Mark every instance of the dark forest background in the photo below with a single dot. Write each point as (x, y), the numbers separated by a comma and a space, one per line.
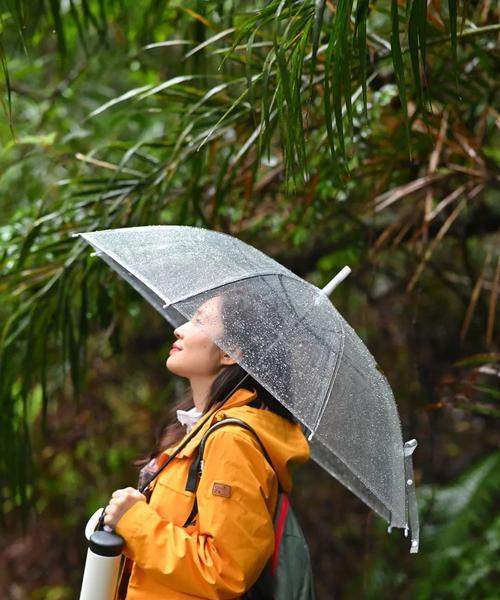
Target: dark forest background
(324, 133)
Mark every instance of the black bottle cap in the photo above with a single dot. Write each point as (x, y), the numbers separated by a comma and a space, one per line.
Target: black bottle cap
(105, 543)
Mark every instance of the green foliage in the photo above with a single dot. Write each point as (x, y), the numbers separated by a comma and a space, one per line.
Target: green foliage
(463, 535)
(159, 140)
(460, 540)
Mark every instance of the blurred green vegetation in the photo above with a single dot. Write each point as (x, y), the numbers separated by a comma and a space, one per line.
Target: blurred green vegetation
(262, 132)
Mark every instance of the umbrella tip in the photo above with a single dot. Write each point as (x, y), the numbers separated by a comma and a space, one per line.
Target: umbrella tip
(339, 278)
(409, 447)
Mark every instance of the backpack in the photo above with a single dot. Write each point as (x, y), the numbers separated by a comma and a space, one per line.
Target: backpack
(288, 574)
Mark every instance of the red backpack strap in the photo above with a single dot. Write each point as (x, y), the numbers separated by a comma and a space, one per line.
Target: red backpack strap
(279, 528)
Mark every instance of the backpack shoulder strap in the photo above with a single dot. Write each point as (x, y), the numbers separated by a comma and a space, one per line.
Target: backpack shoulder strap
(197, 466)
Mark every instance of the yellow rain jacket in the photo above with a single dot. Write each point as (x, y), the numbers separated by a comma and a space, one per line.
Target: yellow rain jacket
(223, 553)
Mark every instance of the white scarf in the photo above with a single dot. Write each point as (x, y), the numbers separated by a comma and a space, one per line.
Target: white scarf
(189, 418)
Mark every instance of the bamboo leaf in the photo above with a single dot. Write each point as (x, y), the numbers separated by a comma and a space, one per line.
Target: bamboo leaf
(298, 57)
(5, 71)
(28, 241)
(488, 390)
(417, 26)
(360, 35)
(327, 98)
(79, 27)
(214, 128)
(265, 103)
(168, 84)
(168, 44)
(452, 11)
(397, 61)
(104, 20)
(422, 34)
(213, 92)
(478, 360)
(55, 8)
(16, 10)
(248, 71)
(284, 91)
(124, 97)
(319, 11)
(211, 40)
(339, 60)
(89, 15)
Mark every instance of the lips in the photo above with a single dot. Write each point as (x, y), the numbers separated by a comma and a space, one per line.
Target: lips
(174, 349)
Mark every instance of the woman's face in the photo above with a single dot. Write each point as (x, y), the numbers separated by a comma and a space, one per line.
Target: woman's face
(194, 354)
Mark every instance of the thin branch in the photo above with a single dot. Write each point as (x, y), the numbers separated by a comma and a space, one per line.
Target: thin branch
(106, 165)
(428, 253)
(474, 298)
(493, 304)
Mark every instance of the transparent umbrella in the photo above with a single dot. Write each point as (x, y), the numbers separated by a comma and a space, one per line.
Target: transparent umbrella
(287, 334)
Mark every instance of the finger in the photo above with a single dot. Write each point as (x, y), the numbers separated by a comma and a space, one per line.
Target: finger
(119, 500)
(132, 493)
(128, 491)
(110, 516)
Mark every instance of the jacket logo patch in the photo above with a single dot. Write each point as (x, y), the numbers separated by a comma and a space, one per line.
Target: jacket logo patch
(221, 489)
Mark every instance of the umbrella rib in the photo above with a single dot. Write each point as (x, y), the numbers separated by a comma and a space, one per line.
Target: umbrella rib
(232, 280)
(331, 384)
(301, 319)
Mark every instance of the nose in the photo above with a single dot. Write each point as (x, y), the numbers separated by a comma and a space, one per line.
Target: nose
(179, 331)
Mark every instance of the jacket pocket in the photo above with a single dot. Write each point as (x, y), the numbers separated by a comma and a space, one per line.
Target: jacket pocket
(172, 504)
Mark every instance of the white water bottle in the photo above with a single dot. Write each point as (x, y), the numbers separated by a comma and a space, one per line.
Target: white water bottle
(102, 566)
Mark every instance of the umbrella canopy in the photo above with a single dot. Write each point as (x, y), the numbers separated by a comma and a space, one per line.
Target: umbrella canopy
(287, 334)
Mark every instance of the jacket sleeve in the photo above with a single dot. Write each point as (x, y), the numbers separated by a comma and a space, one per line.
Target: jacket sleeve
(235, 536)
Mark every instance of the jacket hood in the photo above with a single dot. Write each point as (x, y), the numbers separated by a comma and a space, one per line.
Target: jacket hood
(284, 441)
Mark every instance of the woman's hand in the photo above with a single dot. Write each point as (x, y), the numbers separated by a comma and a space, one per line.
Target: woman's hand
(120, 502)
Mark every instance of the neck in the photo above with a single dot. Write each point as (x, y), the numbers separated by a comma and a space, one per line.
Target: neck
(200, 388)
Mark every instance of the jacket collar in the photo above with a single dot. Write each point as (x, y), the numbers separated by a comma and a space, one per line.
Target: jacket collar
(240, 398)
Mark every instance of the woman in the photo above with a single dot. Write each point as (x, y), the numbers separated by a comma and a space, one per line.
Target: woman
(224, 549)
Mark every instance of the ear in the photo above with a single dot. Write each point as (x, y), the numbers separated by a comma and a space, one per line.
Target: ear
(226, 360)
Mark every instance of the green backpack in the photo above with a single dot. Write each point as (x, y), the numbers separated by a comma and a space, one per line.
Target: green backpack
(288, 574)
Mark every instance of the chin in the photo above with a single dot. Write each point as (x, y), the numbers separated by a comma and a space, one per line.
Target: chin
(168, 364)
(173, 368)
